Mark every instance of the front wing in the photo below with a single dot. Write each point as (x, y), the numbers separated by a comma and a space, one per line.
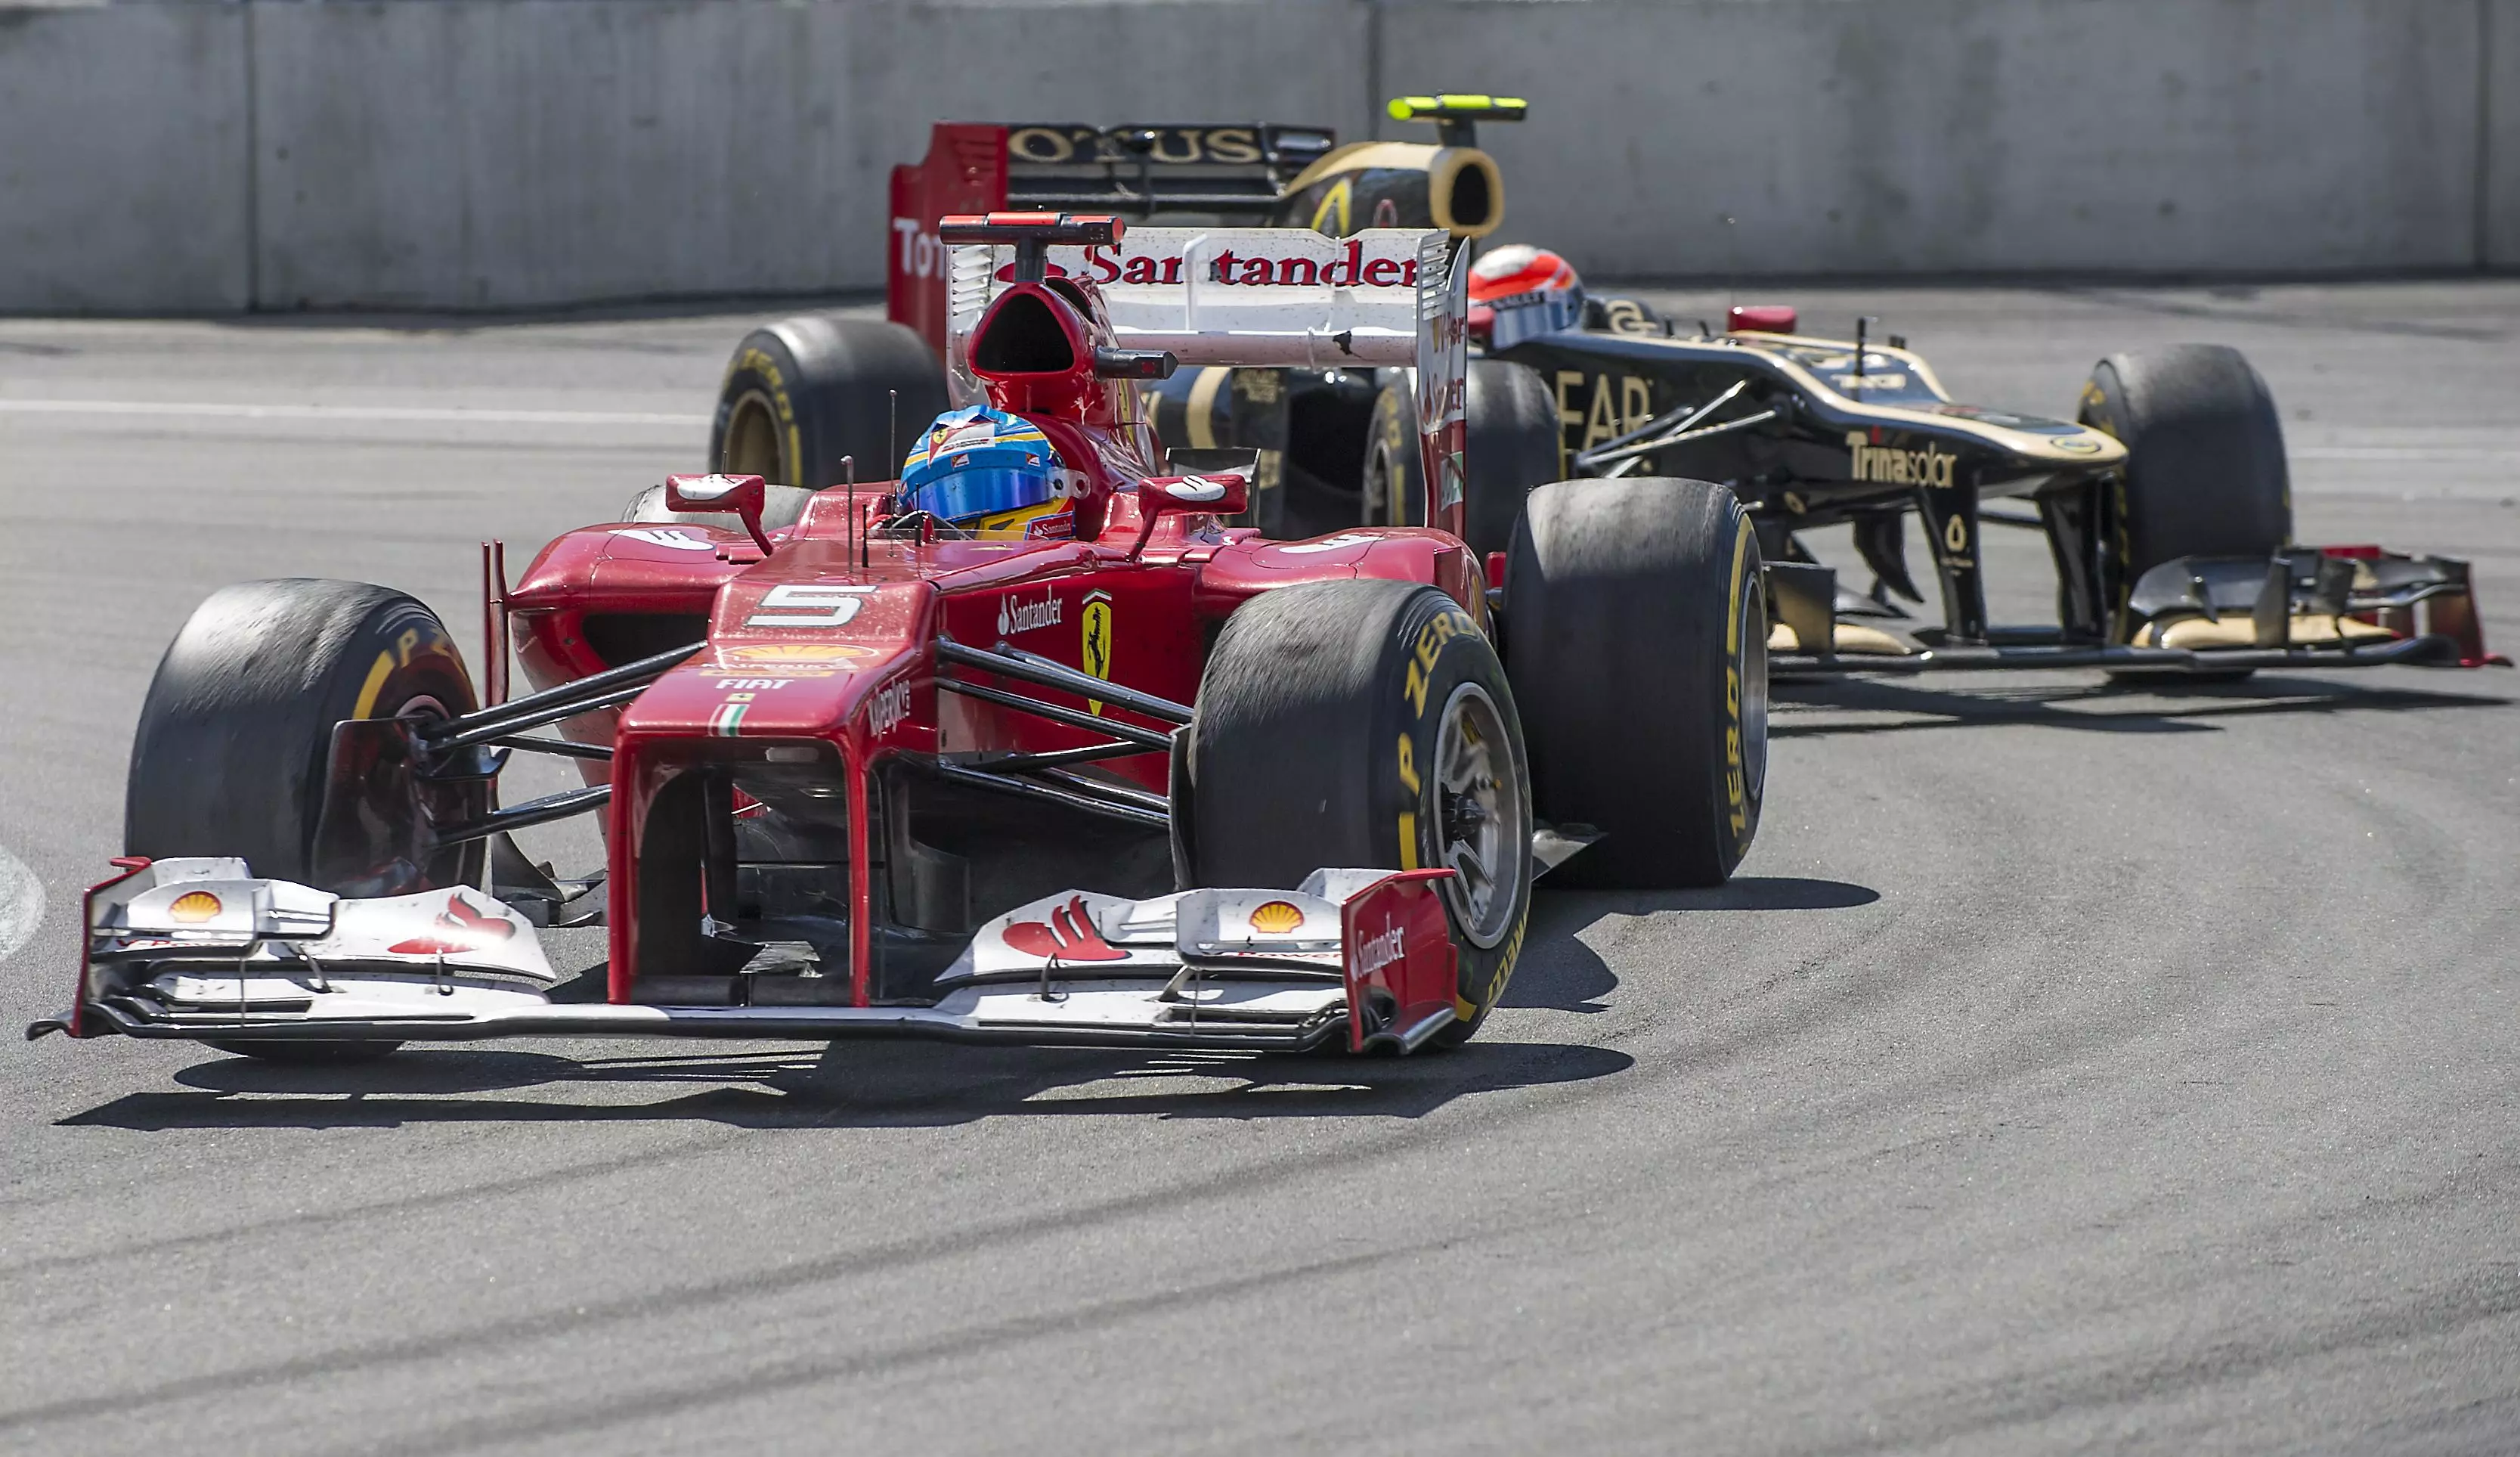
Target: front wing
(2306, 607)
(204, 949)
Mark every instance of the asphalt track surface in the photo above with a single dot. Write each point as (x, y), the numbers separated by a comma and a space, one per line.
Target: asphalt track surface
(2071, 1069)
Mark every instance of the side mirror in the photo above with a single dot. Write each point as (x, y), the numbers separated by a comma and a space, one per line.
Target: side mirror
(1760, 318)
(1224, 493)
(740, 496)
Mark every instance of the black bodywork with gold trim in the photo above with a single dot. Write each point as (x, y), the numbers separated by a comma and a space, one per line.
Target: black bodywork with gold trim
(1809, 434)
(1815, 432)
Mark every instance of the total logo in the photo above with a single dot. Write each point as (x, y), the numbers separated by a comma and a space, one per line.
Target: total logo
(1378, 951)
(887, 707)
(1015, 617)
(920, 254)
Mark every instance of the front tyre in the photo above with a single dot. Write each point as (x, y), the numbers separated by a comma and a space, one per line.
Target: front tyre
(1367, 724)
(1637, 631)
(2205, 473)
(236, 736)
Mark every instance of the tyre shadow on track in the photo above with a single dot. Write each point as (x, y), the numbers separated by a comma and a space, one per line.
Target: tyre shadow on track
(1559, 973)
(2087, 707)
(863, 1084)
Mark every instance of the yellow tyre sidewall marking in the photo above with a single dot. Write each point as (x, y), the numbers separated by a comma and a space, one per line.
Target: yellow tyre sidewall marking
(1426, 652)
(1737, 788)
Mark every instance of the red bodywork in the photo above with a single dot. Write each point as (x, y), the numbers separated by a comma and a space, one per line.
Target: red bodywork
(825, 648)
(965, 171)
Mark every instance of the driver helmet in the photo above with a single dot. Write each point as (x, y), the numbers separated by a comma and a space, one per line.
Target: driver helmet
(1523, 291)
(991, 473)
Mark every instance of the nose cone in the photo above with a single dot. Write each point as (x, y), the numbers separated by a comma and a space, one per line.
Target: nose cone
(787, 691)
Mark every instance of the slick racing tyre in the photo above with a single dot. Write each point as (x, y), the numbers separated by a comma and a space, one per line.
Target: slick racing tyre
(2205, 473)
(1369, 724)
(781, 506)
(1509, 445)
(1636, 634)
(236, 733)
(803, 392)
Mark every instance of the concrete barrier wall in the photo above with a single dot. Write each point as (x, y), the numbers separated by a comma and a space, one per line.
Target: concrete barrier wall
(124, 159)
(1958, 136)
(489, 154)
(504, 152)
(2499, 168)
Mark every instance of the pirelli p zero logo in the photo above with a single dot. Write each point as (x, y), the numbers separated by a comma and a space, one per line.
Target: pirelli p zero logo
(1889, 464)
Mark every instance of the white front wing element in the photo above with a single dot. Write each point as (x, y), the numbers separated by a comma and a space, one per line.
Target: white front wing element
(1257, 969)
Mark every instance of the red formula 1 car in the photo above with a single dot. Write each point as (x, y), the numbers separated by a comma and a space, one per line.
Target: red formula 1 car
(1141, 780)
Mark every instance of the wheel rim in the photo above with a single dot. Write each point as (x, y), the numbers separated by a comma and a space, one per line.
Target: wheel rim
(1479, 818)
(752, 440)
(1750, 661)
(445, 867)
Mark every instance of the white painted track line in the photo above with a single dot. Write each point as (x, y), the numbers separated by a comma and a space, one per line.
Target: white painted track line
(448, 414)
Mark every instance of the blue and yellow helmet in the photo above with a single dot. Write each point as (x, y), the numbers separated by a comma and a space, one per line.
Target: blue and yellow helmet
(990, 473)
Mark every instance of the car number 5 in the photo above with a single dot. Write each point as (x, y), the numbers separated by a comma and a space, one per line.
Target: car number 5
(809, 606)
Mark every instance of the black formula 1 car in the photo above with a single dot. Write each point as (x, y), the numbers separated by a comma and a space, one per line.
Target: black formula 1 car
(2165, 503)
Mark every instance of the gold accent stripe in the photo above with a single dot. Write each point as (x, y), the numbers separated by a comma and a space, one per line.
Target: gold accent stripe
(1202, 410)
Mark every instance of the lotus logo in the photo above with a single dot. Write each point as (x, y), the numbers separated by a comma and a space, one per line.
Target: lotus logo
(1276, 917)
(1026, 616)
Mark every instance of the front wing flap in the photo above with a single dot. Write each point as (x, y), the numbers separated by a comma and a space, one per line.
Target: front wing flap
(204, 949)
(2306, 607)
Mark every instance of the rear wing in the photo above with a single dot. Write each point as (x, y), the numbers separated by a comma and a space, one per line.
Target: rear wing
(1269, 296)
(1233, 175)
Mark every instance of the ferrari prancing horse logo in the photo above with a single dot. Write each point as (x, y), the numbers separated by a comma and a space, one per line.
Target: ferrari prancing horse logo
(1097, 658)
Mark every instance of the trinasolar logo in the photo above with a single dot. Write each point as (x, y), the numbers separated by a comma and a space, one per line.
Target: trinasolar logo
(1889, 464)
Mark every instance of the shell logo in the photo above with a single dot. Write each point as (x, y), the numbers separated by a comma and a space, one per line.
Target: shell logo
(1276, 917)
(795, 653)
(193, 908)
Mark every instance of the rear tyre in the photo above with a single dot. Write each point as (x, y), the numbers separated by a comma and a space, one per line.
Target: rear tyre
(1637, 632)
(236, 733)
(803, 392)
(1509, 445)
(2205, 473)
(1367, 724)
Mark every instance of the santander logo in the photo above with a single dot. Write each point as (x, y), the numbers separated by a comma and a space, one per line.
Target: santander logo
(1015, 617)
(1380, 950)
